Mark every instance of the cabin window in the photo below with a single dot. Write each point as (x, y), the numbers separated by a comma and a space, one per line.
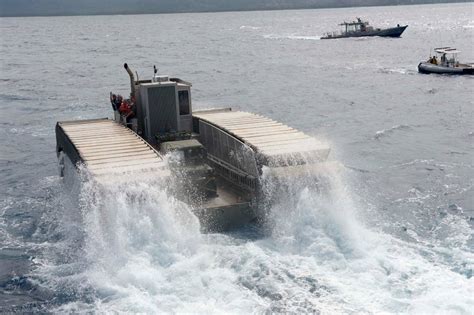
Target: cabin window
(183, 97)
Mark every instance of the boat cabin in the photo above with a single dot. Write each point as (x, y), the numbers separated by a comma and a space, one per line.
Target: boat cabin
(355, 26)
(163, 107)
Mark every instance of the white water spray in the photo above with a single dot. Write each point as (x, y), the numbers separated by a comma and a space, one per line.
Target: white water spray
(142, 252)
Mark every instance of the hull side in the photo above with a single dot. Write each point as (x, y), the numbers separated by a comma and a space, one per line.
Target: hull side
(428, 68)
(389, 32)
(392, 32)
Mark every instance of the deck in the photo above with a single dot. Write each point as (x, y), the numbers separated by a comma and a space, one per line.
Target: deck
(107, 148)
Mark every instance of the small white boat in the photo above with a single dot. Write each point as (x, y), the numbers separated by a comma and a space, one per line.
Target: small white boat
(445, 62)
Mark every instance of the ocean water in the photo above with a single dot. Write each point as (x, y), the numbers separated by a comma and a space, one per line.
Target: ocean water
(391, 232)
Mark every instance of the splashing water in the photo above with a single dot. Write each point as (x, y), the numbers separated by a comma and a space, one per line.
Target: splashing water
(359, 269)
(131, 231)
(134, 248)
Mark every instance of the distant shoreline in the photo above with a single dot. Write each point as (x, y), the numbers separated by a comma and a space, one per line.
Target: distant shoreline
(4, 9)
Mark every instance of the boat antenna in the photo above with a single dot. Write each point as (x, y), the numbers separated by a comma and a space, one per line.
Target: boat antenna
(136, 73)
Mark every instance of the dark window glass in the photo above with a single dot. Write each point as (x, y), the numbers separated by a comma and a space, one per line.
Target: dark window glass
(183, 97)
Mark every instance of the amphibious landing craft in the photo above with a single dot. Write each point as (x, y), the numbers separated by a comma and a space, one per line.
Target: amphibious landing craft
(221, 153)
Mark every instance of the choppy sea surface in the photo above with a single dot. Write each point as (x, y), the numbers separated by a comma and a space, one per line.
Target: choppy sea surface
(392, 232)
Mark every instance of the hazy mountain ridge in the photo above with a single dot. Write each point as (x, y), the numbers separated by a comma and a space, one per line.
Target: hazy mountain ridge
(91, 7)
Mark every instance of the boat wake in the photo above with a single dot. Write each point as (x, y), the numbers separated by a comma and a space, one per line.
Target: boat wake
(249, 27)
(397, 71)
(386, 132)
(291, 37)
(131, 247)
(469, 25)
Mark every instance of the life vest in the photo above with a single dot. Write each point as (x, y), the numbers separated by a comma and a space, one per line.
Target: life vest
(124, 108)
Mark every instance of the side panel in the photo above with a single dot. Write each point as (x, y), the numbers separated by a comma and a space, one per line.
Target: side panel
(64, 144)
(228, 149)
(160, 109)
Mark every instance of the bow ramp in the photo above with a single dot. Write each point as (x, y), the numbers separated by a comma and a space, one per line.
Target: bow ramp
(276, 144)
(107, 148)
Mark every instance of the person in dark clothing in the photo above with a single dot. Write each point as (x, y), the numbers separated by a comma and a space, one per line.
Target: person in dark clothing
(118, 101)
(113, 101)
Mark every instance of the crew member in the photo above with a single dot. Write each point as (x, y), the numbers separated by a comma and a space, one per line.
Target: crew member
(124, 108)
(443, 59)
(132, 110)
(113, 101)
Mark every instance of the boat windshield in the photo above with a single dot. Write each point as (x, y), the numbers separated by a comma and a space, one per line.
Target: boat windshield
(351, 27)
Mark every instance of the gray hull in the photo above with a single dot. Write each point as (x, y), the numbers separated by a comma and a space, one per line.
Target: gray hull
(388, 32)
(426, 67)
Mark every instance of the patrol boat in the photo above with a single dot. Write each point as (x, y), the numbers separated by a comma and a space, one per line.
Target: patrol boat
(361, 28)
(222, 153)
